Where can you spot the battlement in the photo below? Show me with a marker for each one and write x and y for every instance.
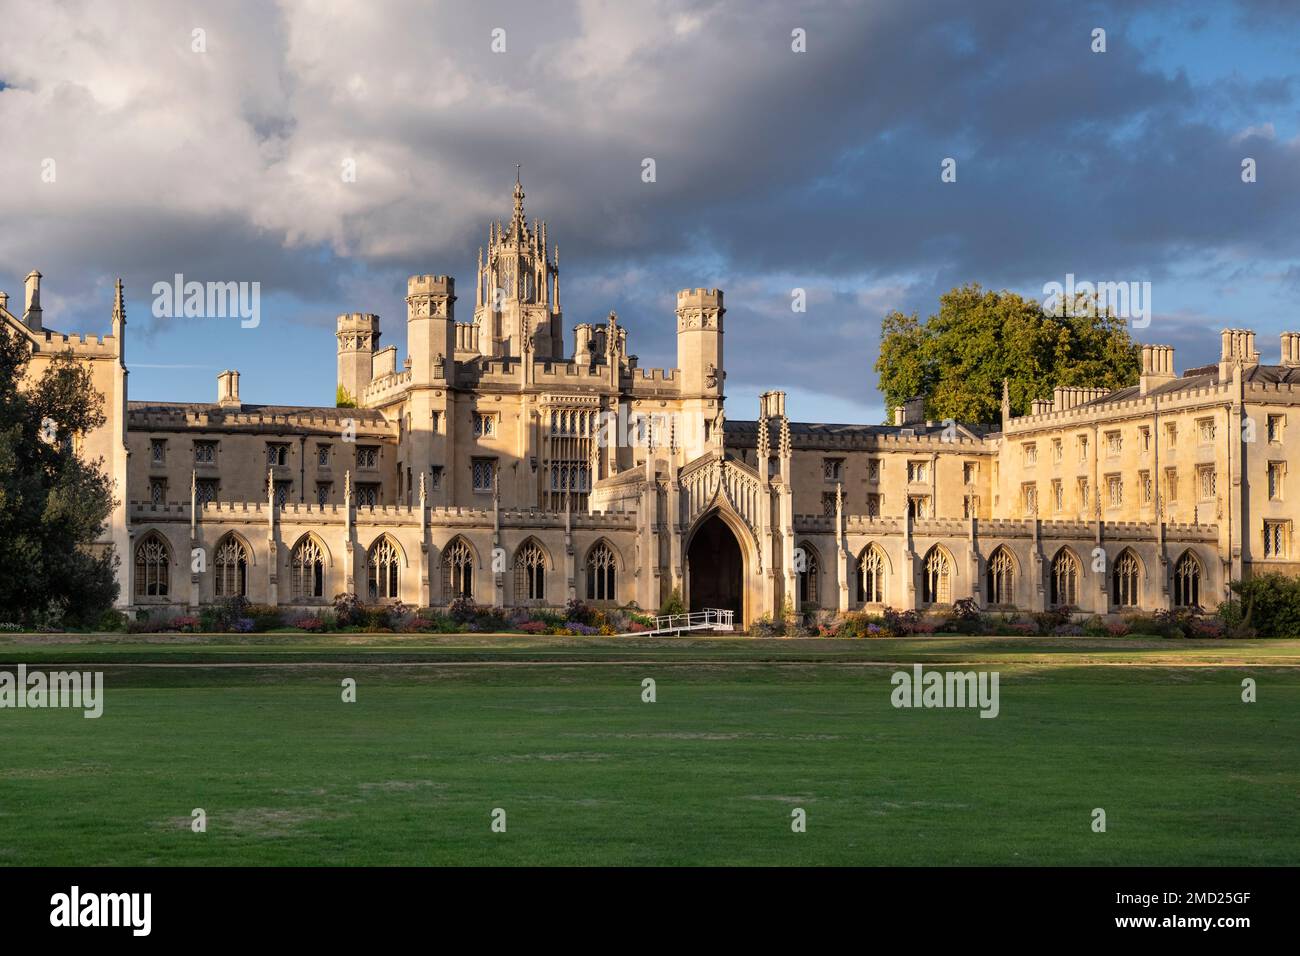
(699, 298)
(93, 346)
(431, 285)
(358, 322)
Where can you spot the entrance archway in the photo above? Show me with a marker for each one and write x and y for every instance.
(716, 569)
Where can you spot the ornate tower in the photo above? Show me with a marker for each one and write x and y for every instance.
(358, 335)
(431, 328)
(518, 291)
(699, 361)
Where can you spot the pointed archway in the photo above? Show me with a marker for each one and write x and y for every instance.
(715, 568)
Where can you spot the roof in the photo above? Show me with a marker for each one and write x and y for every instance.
(213, 410)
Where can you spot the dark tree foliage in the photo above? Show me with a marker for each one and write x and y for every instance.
(53, 504)
(959, 357)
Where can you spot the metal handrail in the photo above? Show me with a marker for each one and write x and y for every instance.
(696, 620)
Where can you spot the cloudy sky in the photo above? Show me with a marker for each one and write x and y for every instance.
(775, 169)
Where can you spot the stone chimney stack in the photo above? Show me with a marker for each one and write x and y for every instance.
(1291, 349)
(228, 389)
(911, 412)
(1238, 348)
(32, 313)
(1157, 367)
(4, 300)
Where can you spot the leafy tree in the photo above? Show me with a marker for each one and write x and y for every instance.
(343, 398)
(53, 504)
(958, 359)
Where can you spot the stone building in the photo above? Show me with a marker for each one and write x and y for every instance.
(499, 462)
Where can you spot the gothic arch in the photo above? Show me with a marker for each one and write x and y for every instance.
(231, 561)
(152, 561)
(600, 568)
(873, 570)
(385, 562)
(1188, 580)
(809, 580)
(1064, 578)
(457, 562)
(320, 543)
(308, 564)
(530, 564)
(1127, 577)
(1002, 571)
(401, 552)
(619, 563)
(532, 541)
(745, 543)
(938, 576)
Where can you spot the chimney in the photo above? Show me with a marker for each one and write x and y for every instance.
(1157, 367)
(1291, 349)
(32, 313)
(911, 412)
(228, 389)
(4, 301)
(1041, 406)
(1238, 348)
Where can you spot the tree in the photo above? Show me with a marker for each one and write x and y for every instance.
(958, 359)
(53, 504)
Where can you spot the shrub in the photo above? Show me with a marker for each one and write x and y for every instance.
(1068, 630)
(673, 605)
(534, 627)
(313, 625)
(575, 610)
(1095, 627)
(766, 626)
(1270, 605)
(347, 610)
(900, 623)
(187, 624)
(1046, 621)
(1117, 628)
(112, 621)
(264, 617)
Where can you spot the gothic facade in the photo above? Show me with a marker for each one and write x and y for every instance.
(500, 462)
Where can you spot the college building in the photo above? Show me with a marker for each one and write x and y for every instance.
(506, 461)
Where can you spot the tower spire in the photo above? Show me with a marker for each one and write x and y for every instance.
(518, 225)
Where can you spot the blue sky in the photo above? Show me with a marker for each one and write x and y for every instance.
(776, 170)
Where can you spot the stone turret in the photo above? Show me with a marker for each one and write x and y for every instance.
(431, 328)
(358, 335)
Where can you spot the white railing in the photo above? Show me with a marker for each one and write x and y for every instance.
(710, 618)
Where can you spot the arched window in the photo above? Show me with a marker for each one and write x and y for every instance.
(307, 569)
(457, 570)
(530, 572)
(1124, 580)
(809, 577)
(871, 576)
(1187, 581)
(936, 583)
(382, 562)
(152, 566)
(1065, 579)
(1002, 571)
(231, 568)
(600, 573)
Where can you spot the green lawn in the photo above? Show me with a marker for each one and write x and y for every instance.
(554, 731)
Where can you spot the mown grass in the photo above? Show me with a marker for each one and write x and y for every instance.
(742, 733)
